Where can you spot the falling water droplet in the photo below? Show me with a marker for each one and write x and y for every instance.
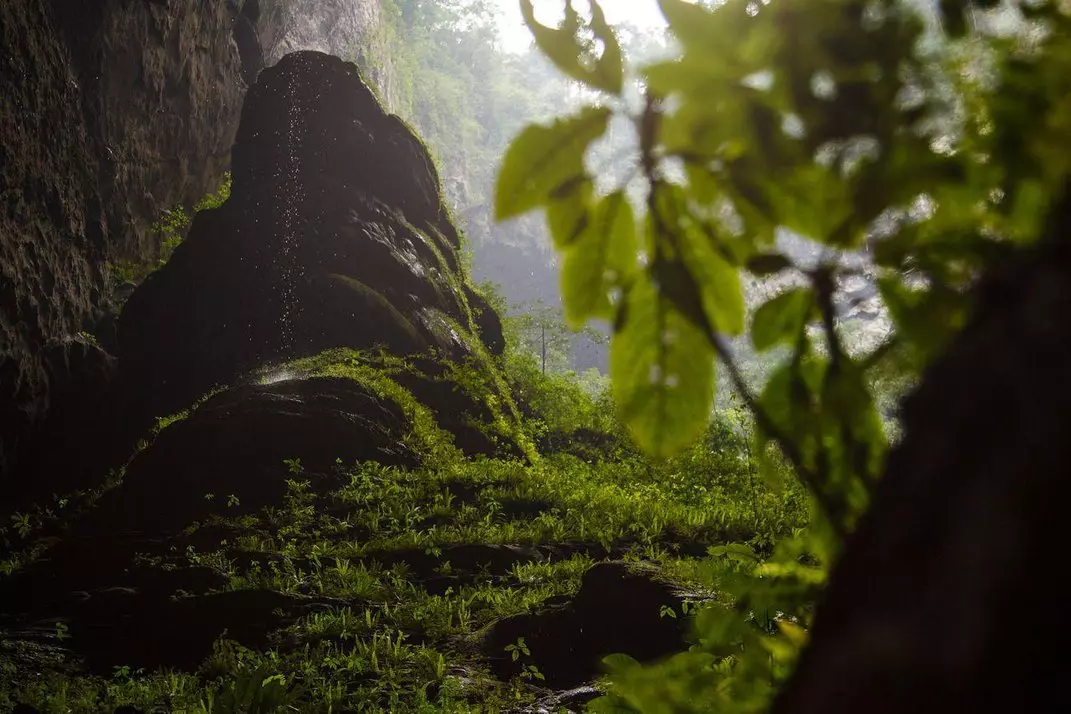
(290, 201)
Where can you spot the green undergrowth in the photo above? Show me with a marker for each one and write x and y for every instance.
(410, 567)
(477, 377)
(167, 233)
(397, 573)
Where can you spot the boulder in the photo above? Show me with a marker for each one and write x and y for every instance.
(335, 235)
(618, 610)
(237, 443)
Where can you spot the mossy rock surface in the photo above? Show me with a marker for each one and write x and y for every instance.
(335, 235)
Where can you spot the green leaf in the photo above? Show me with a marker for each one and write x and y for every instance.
(717, 280)
(569, 212)
(926, 318)
(545, 158)
(738, 43)
(860, 435)
(575, 57)
(662, 367)
(782, 318)
(601, 256)
(789, 400)
(616, 663)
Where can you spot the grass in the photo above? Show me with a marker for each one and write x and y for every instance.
(404, 569)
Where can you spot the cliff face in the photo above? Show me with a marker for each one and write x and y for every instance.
(112, 112)
(333, 27)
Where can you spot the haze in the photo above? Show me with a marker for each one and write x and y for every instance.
(516, 37)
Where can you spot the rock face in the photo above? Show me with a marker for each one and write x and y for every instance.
(333, 27)
(111, 112)
(335, 235)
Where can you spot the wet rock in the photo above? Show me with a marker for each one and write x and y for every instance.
(616, 610)
(336, 234)
(80, 375)
(236, 443)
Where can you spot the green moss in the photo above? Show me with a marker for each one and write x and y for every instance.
(377, 299)
(374, 373)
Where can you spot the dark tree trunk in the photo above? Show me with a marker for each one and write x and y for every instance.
(947, 598)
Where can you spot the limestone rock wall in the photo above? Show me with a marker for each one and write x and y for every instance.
(111, 112)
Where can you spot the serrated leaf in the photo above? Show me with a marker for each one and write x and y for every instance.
(607, 249)
(662, 366)
(782, 318)
(544, 158)
(574, 57)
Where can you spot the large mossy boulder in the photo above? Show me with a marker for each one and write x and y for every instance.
(335, 235)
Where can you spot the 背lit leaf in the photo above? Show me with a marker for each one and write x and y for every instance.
(565, 48)
(716, 279)
(782, 319)
(569, 211)
(543, 158)
(603, 254)
(662, 366)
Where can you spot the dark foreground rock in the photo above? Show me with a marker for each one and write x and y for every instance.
(335, 235)
(617, 611)
(235, 445)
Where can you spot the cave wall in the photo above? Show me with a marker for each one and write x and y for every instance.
(111, 112)
(333, 27)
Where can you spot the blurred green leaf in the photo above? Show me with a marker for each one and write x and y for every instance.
(576, 57)
(662, 366)
(603, 254)
(782, 319)
(545, 158)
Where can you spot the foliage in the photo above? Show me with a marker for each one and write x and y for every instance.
(905, 154)
(342, 545)
(167, 233)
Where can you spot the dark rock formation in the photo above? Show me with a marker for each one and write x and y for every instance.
(235, 444)
(335, 235)
(616, 611)
(946, 598)
(110, 113)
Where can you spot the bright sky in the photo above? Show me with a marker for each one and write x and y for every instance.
(515, 36)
